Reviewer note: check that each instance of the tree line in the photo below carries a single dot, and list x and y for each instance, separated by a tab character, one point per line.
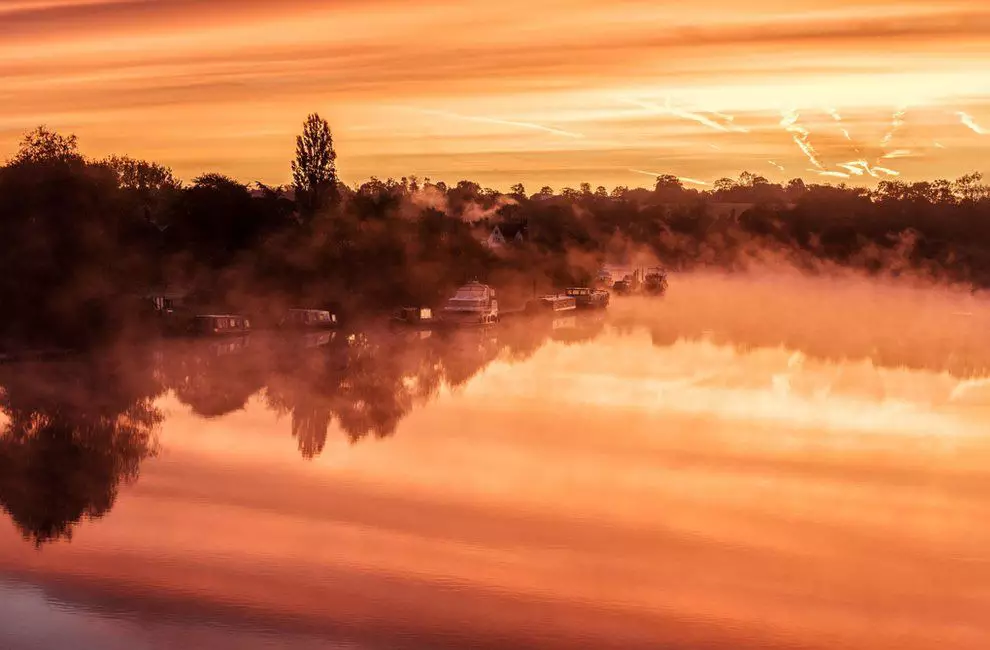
82	239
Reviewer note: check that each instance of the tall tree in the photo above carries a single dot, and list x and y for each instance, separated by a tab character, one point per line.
44	146
314	171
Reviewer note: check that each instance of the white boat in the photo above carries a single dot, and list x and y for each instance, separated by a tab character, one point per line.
473	304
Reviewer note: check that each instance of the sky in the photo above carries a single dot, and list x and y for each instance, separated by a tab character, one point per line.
549	93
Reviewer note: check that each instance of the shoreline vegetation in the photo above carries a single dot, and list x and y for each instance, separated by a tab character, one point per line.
84	240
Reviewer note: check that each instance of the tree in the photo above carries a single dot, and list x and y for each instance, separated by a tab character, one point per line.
44	146
723	185
141	175
668	181
314	171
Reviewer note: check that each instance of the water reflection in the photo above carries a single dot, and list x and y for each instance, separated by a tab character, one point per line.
721	485
76	430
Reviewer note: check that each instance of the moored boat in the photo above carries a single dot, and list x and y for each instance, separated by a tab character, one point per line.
308	319
218	325
418	317
552	304
473	304
588	298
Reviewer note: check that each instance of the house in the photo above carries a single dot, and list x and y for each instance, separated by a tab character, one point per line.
504	233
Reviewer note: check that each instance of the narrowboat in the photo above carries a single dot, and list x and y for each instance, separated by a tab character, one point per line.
588	298
308	319
421	317
552	304
218	325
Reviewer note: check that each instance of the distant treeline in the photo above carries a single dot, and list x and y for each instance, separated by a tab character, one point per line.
83	239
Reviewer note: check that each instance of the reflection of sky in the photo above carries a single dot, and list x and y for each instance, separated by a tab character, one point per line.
558	93
30	619
755	478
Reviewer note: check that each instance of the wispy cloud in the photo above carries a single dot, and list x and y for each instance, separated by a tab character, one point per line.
777	165
683	179
897	153
897	121
970	123
669	109
838	118
830	173
888	172
853	168
789	122
494	120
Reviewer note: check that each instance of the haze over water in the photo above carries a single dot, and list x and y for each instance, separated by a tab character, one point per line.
758	461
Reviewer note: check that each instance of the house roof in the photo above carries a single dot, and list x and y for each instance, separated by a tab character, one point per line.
511	229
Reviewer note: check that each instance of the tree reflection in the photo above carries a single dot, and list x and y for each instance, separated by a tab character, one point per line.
75	432
212	377
367	382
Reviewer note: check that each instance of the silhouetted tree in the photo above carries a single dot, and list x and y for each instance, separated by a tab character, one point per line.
314	170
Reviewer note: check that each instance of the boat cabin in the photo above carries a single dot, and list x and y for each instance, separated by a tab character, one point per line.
588	298
553	303
413	315
308	319
473	303
219	324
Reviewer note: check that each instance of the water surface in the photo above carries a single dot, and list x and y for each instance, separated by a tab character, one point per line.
778	463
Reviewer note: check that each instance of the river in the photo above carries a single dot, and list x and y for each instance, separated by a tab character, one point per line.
751	462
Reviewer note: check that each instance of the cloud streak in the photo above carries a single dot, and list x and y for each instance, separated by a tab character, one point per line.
501	122
669	109
971	124
223	85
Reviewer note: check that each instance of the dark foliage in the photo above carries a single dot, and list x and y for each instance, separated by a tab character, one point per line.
82	240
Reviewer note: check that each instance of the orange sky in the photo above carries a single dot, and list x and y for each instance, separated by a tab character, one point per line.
555	92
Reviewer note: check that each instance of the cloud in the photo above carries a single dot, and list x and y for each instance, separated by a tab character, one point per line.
789	122
501	122
971	124
896	123
683	179
670	109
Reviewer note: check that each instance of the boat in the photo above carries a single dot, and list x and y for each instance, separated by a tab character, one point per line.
588	298
552	304
655	281
473	304
308	319
421	317
218	325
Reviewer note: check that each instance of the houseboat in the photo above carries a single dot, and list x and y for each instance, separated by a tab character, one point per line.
473	304
588	298
419	317
552	304
218	325
308	319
